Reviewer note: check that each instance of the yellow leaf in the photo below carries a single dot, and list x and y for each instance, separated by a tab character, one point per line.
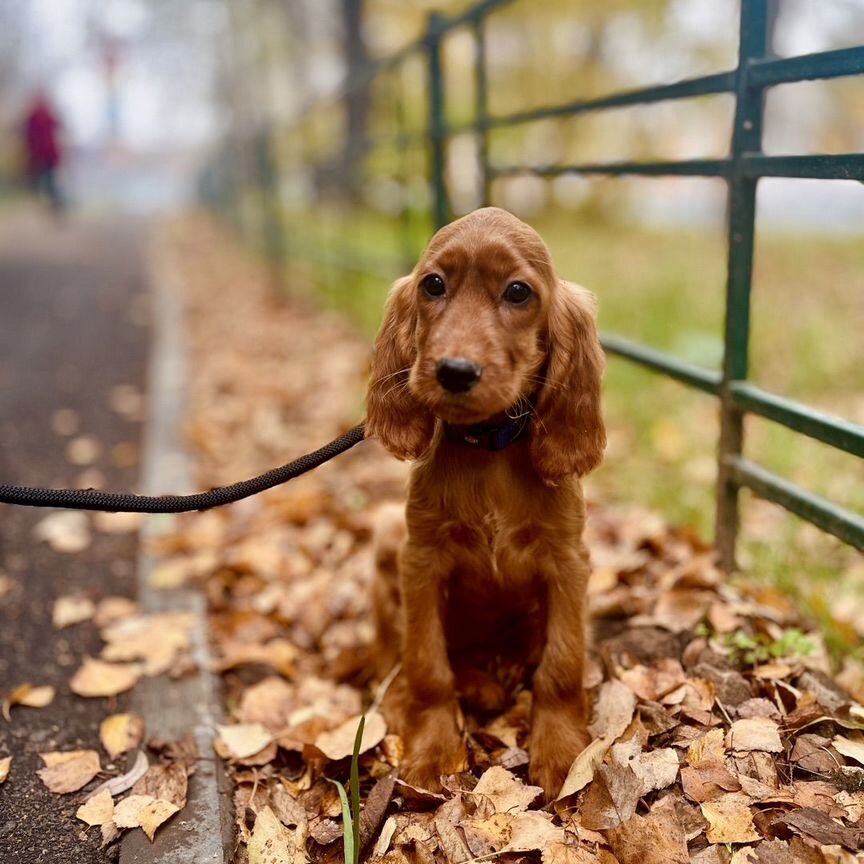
244	739
71	610
97	678
97	810
730	820
29	696
143	811
121	732
582	770
339	743
271	842
5	768
69	771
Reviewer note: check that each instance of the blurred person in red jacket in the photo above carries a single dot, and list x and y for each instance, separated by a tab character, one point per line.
41	134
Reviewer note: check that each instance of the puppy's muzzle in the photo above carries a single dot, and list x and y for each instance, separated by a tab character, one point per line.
457	375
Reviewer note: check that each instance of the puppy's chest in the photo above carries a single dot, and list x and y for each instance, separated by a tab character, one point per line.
500	544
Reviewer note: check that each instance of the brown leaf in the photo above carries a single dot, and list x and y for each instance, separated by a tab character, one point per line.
533	830
29	696
708	783
339	743
120	733
657	838
582	770
5	768
756	733
69	771
71	610
499	791
144	812
97	809
565	853
823	829
710	749
375	808
96	678
168	782
612	797
243	739
850	748
613	711
730	819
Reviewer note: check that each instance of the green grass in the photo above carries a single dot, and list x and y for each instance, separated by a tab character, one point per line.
665	288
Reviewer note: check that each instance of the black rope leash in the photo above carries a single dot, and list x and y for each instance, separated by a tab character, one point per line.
123	502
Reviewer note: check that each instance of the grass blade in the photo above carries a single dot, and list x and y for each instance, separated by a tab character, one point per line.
355	788
349	850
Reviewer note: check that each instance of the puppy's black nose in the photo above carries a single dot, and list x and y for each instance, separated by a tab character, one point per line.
457	375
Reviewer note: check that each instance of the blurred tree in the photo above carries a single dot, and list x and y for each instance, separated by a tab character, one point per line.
357	98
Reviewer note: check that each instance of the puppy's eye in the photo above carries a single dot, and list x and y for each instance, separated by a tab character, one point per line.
517	293
433	285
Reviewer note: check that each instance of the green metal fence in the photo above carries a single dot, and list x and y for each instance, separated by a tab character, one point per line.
755	72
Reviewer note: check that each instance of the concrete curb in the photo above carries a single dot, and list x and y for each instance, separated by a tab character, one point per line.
203	830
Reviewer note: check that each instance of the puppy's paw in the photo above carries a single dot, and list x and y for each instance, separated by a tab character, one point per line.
557	738
434	748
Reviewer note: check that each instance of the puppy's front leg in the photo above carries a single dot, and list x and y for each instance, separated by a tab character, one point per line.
558	726
433	743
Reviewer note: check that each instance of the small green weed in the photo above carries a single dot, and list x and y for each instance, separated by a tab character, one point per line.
752	650
351	810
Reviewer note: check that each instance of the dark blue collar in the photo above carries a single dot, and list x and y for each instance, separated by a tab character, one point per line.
489	436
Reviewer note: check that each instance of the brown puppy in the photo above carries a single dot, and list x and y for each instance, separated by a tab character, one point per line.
486	372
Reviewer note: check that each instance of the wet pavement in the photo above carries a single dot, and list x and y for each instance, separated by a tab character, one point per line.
74	326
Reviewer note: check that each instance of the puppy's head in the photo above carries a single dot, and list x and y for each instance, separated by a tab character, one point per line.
483	326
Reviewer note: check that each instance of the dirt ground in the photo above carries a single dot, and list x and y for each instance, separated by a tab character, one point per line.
722	731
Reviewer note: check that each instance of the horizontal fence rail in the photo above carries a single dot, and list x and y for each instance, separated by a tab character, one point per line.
757	71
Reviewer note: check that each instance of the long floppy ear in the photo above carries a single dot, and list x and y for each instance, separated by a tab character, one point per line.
568	435
394	416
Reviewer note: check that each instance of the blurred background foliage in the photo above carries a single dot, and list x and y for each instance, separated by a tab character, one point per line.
316	149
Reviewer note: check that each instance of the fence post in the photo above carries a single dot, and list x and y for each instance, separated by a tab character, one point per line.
746	138
481	109
437	121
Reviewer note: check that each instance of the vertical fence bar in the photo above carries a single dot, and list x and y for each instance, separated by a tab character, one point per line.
746	138
481	110
437	121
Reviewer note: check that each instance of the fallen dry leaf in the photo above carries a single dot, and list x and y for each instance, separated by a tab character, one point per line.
340	742
68	771
657	838
29	696
851	749
64	531
533	830
755	733
730	819
271	842
157	640
5	768
498	791
143	811
121	732
612	797
71	610
83	450
168	782
98	809
613	711
243	739
97	678
582	770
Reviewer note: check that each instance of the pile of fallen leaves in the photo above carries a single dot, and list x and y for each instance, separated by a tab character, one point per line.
720	733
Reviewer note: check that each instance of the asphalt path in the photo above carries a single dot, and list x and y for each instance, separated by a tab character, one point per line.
74	327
